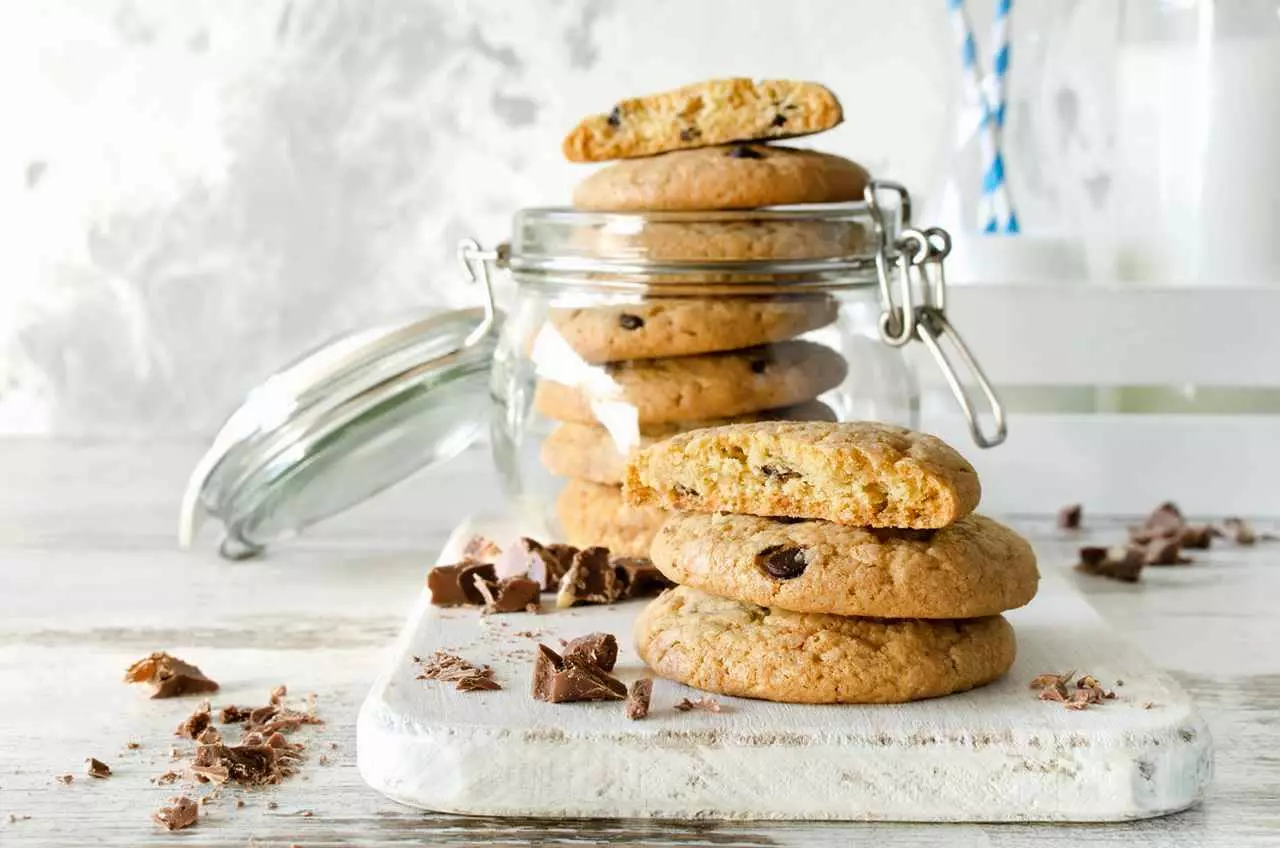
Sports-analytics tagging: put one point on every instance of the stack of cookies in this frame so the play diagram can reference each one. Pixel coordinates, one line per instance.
(659, 365)
(826, 563)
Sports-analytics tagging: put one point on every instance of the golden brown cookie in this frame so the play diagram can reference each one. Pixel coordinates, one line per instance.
(712, 112)
(860, 473)
(749, 651)
(684, 326)
(590, 452)
(972, 568)
(740, 176)
(591, 514)
(692, 388)
(725, 238)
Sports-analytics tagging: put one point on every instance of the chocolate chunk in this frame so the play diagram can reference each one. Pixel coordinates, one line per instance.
(597, 650)
(589, 580)
(639, 577)
(556, 681)
(1069, 517)
(182, 814)
(1166, 550)
(782, 561)
(96, 768)
(193, 725)
(638, 698)
(759, 366)
(477, 683)
(1198, 536)
(685, 491)
(779, 119)
(232, 714)
(1239, 531)
(630, 322)
(615, 118)
(779, 472)
(480, 549)
(690, 133)
(742, 151)
(1119, 563)
(514, 594)
(169, 676)
(454, 585)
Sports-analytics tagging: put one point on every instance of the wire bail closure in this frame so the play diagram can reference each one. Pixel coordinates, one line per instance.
(915, 262)
(475, 264)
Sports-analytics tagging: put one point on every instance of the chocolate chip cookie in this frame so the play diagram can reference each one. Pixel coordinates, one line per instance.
(712, 112)
(972, 568)
(590, 452)
(861, 473)
(741, 176)
(686, 326)
(692, 388)
(594, 515)
(745, 650)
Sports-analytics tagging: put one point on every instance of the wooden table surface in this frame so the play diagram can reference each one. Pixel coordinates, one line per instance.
(90, 580)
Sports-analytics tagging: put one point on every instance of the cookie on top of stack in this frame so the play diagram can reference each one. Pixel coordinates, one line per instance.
(676, 364)
(826, 563)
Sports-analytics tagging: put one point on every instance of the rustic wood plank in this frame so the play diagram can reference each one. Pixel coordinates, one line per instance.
(89, 580)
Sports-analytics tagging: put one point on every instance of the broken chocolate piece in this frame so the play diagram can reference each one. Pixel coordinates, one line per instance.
(454, 585)
(589, 580)
(742, 151)
(1239, 531)
(1166, 550)
(779, 472)
(480, 549)
(514, 594)
(195, 724)
(1165, 519)
(477, 682)
(231, 714)
(638, 698)
(1118, 563)
(169, 676)
(638, 577)
(1069, 517)
(615, 118)
(182, 814)
(557, 682)
(96, 768)
(708, 705)
(630, 322)
(783, 562)
(597, 650)
(1198, 536)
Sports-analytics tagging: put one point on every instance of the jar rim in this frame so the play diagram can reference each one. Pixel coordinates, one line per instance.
(815, 246)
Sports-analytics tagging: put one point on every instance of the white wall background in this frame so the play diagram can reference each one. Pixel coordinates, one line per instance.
(191, 193)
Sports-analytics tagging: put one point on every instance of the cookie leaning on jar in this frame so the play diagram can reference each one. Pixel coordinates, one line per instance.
(849, 568)
(662, 365)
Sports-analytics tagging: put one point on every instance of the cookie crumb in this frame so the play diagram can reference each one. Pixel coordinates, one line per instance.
(638, 698)
(708, 705)
(169, 676)
(66, 778)
(239, 803)
(133, 745)
(272, 805)
(182, 814)
(1147, 705)
(1087, 691)
(96, 768)
(168, 777)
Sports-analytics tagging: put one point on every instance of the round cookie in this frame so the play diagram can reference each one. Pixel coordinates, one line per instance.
(723, 239)
(590, 452)
(591, 514)
(686, 326)
(972, 568)
(693, 388)
(738, 176)
(744, 650)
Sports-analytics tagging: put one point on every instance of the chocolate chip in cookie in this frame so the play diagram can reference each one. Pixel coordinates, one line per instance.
(783, 562)
(742, 151)
(779, 472)
(630, 322)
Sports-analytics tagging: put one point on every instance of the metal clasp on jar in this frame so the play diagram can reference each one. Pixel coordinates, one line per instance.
(918, 311)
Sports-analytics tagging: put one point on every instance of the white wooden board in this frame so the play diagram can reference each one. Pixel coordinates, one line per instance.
(995, 754)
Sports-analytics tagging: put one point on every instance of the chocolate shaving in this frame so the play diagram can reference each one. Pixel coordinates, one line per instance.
(451, 668)
(182, 814)
(596, 650)
(590, 579)
(96, 768)
(638, 698)
(1057, 687)
(1118, 563)
(257, 761)
(169, 676)
(558, 682)
(1069, 517)
(194, 724)
(708, 705)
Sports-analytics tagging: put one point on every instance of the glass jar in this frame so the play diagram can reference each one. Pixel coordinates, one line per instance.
(625, 329)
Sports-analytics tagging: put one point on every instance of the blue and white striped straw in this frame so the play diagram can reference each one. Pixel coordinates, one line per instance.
(995, 208)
